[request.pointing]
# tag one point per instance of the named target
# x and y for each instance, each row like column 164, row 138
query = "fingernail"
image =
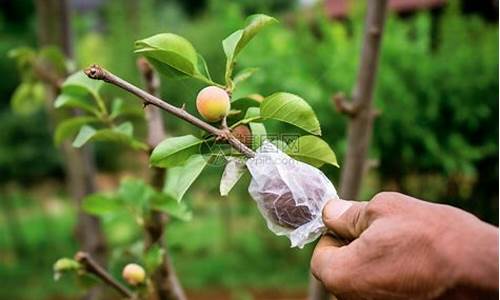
column 335, row 208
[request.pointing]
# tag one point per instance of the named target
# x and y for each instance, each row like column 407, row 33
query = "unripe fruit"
column 243, row 134
column 133, row 274
column 213, row 103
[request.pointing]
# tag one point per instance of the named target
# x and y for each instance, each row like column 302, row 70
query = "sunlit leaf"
column 84, row 135
column 180, row 178
column 236, row 41
column 118, row 135
column 291, row 109
column 312, row 150
column 175, row 151
column 172, row 50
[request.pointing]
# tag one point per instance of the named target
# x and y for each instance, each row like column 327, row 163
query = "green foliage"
column 175, row 151
column 119, row 134
column 171, row 54
column 180, row 178
column 235, row 42
column 28, row 98
column 312, row 150
column 291, row 109
column 75, row 93
column 135, row 198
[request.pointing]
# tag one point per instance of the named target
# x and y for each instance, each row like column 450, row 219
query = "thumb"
column 345, row 218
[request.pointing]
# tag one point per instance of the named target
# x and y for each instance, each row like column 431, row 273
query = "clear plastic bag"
column 290, row 194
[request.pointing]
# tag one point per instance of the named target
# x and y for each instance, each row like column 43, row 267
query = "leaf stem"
column 98, row 73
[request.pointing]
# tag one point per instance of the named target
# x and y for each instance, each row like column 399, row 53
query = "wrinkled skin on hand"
column 404, row 248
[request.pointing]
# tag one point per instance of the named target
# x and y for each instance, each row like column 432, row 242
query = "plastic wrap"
column 290, row 194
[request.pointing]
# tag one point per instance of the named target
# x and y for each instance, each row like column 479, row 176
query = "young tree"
column 361, row 115
column 186, row 156
column 54, row 29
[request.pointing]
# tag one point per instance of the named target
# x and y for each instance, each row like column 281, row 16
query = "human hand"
column 404, row 248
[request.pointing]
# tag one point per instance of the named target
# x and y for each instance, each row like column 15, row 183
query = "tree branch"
column 93, row 267
column 166, row 283
column 343, row 106
column 361, row 113
column 98, row 73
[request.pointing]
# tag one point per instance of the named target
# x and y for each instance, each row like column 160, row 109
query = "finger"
column 334, row 264
column 322, row 254
column 350, row 223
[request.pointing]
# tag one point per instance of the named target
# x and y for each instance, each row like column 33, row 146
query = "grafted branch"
column 98, row 73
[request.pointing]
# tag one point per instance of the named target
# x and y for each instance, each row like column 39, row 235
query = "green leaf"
column 52, row 56
column 174, row 51
column 252, row 113
column 312, row 150
column 234, row 170
column 99, row 204
column 203, row 67
column 126, row 128
column 24, row 57
column 291, row 109
column 84, row 135
column 153, row 258
column 120, row 134
column 116, row 107
column 259, row 134
column 244, row 75
column 80, row 84
column 74, row 101
column 70, row 127
column 28, row 98
column 244, row 103
column 169, row 205
column 179, row 179
column 135, row 192
column 235, row 42
column 174, row 151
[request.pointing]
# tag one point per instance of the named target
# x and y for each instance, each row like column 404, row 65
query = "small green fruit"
column 133, row 274
column 213, row 103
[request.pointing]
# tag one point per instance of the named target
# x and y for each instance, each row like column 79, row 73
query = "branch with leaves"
column 96, row 72
column 230, row 124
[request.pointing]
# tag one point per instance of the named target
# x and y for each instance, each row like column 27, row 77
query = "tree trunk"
column 53, row 17
column 361, row 114
column 165, row 281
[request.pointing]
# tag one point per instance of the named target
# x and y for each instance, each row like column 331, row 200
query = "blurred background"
column 436, row 137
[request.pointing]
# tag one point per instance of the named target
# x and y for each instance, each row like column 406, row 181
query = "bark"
column 361, row 114
column 165, row 281
column 53, row 17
